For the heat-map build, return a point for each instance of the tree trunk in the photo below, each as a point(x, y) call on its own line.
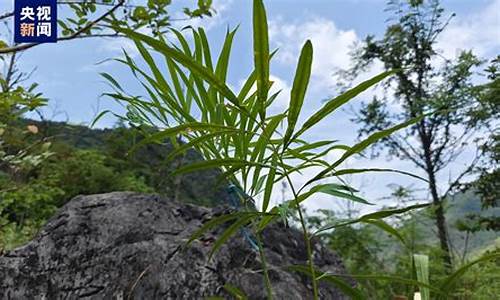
point(438, 203)
point(440, 222)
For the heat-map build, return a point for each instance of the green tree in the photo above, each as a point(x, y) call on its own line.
point(488, 185)
point(26, 204)
point(419, 88)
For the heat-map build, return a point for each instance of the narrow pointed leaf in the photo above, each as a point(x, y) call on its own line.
point(340, 100)
point(216, 163)
point(269, 184)
point(375, 216)
point(332, 189)
point(186, 61)
point(299, 88)
point(194, 142)
point(387, 228)
point(359, 147)
point(213, 223)
point(337, 281)
point(355, 171)
point(228, 233)
point(261, 53)
point(235, 292)
point(173, 131)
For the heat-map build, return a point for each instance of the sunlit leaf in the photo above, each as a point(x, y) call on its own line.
point(299, 88)
point(261, 53)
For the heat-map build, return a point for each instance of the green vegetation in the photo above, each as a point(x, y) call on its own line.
point(409, 44)
point(236, 133)
point(32, 192)
point(75, 160)
point(193, 134)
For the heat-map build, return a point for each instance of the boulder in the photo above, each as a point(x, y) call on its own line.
point(126, 245)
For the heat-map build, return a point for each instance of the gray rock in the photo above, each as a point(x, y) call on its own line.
point(127, 245)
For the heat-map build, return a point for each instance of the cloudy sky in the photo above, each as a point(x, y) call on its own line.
point(68, 71)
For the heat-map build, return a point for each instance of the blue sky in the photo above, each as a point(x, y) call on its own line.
point(68, 72)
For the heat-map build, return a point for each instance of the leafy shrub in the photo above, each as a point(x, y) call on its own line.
point(26, 205)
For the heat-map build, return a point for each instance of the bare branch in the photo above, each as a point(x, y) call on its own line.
point(96, 3)
point(6, 15)
point(459, 178)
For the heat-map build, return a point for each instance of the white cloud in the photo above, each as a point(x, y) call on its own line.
point(479, 32)
point(331, 45)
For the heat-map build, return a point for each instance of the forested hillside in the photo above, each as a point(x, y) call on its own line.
point(84, 161)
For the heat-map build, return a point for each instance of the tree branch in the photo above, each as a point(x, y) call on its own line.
point(6, 15)
point(457, 180)
point(77, 34)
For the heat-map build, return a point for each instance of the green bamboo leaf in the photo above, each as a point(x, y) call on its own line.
point(332, 189)
point(260, 146)
point(247, 86)
point(373, 216)
point(355, 171)
point(338, 282)
point(273, 214)
point(174, 78)
point(186, 61)
point(312, 146)
point(259, 149)
point(389, 212)
point(99, 116)
point(269, 184)
point(387, 228)
point(228, 233)
point(235, 292)
point(299, 88)
point(174, 131)
point(422, 269)
point(162, 82)
point(447, 285)
point(113, 81)
point(223, 61)
point(261, 53)
point(340, 100)
point(213, 223)
point(258, 187)
point(216, 163)
point(206, 48)
point(217, 221)
point(182, 40)
point(359, 147)
point(194, 142)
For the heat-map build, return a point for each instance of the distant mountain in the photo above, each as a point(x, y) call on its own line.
point(457, 208)
point(202, 188)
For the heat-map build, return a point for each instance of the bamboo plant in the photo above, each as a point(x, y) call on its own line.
point(189, 99)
